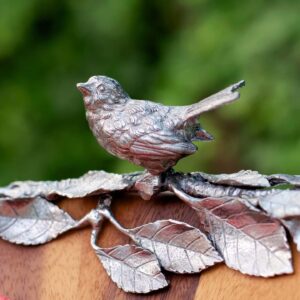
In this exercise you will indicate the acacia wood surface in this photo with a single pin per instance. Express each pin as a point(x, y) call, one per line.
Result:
point(68, 269)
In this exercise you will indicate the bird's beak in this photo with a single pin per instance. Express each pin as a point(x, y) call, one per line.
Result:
point(203, 135)
point(84, 88)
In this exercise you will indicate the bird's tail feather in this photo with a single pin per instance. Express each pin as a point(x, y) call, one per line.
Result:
point(223, 97)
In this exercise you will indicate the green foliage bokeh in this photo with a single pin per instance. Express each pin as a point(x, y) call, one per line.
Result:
point(175, 52)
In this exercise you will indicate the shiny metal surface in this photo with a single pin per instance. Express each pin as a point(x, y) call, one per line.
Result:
point(179, 247)
point(284, 178)
point(147, 134)
point(293, 226)
point(246, 178)
point(237, 211)
point(198, 185)
point(249, 241)
point(132, 268)
point(32, 222)
point(91, 183)
point(283, 204)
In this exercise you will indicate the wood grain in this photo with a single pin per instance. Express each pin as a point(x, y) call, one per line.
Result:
point(67, 268)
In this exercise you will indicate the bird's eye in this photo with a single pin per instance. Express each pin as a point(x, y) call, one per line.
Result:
point(101, 88)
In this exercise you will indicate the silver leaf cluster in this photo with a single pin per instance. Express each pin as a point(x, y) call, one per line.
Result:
point(242, 217)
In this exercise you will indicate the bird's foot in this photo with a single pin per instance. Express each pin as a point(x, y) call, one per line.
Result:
point(149, 185)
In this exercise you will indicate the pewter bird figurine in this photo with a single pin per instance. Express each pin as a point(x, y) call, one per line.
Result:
point(151, 135)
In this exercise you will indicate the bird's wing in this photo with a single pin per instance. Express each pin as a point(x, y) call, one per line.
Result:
point(161, 145)
point(225, 96)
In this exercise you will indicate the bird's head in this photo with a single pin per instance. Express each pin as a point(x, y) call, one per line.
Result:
point(102, 90)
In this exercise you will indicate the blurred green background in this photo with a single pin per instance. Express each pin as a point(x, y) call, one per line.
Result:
point(175, 52)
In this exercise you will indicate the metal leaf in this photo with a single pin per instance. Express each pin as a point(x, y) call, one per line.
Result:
point(179, 247)
point(132, 268)
point(293, 226)
point(92, 183)
point(194, 184)
point(242, 178)
point(284, 178)
point(270, 199)
point(248, 240)
point(32, 222)
point(282, 204)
